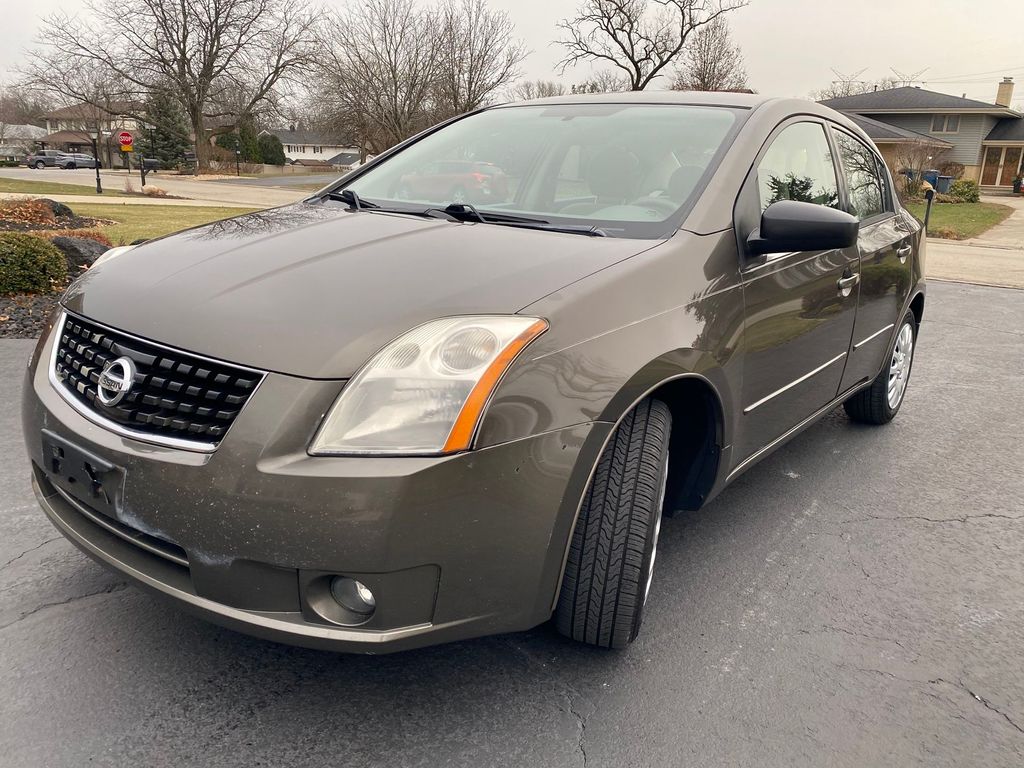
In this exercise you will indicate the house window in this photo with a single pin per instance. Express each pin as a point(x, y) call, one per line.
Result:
point(946, 124)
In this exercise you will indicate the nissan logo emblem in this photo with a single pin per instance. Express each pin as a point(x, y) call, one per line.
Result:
point(115, 381)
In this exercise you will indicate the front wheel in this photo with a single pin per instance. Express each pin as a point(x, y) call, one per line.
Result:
point(611, 555)
point(880, 402)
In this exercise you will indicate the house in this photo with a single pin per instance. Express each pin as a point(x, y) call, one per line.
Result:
point(16, 141)
point(300, 144)
point(988, 139)
point(891, 140)
point(73, 129)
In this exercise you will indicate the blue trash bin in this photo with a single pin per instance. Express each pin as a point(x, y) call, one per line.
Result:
point(944, 184)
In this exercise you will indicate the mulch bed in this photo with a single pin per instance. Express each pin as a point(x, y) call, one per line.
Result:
point(61, 222)
point(23, 316)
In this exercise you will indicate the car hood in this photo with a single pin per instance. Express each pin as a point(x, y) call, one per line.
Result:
point(313, 289)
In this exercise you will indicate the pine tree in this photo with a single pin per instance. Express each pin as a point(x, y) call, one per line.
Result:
point(166, 136)
point(248, 142)
point(271, 150)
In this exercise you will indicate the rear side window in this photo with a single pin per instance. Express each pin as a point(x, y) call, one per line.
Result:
point(798, 166)
point(863, 181)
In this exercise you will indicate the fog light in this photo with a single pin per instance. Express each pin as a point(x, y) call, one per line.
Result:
point(353, 595)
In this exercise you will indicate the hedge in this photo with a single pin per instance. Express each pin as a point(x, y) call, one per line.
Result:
point(965, 190)
point(30, 264)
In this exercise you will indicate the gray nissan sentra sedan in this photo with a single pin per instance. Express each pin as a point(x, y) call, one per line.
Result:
point(398, 414)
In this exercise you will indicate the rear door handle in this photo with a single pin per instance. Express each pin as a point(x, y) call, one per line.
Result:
point(902, 253)
point(846, 284)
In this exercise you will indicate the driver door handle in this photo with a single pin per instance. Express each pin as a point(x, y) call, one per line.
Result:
point(846, 284)
point(902, 253)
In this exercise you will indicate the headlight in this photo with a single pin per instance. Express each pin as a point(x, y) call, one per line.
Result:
point(112, 253)
point(424, 393)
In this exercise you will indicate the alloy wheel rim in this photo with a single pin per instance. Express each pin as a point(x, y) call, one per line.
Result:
point(899, 366)
point(657, 527)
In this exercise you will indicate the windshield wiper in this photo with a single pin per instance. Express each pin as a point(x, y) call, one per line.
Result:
point(349, 196)
point(358, 203)
point(467, 212)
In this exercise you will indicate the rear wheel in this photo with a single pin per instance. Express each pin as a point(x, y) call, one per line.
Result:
point(880, 402)
point(612, 552)
point(40, 165)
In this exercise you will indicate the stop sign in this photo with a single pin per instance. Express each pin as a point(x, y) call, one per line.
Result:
point(124, 139)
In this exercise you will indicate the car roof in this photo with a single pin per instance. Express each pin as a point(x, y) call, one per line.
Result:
point(773, 107)
point(701, 98)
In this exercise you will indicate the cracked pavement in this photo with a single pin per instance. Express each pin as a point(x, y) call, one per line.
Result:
point(857, 599)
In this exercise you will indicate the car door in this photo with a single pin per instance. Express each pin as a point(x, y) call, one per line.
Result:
point(885, 245)
point(799, 307)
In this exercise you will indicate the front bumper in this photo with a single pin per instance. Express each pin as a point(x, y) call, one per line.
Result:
point(452, 547)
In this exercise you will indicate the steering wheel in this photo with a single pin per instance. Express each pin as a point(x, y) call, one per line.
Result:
point(662, 204)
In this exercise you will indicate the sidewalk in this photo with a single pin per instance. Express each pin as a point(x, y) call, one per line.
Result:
point(996, 258)
point(73, 200)
point(201, 190)
point(962, 262)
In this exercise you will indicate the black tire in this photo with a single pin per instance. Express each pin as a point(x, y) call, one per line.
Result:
point(40, 165)
point(871, 405)
point(613, 545)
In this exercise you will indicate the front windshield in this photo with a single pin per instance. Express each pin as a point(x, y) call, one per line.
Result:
point(629, 170)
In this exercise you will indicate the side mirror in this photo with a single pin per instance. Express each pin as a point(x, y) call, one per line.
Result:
point(789, 225)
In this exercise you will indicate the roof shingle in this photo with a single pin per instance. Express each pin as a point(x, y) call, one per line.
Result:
point(909, 99)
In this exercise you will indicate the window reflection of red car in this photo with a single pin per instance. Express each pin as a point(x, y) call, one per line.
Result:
point(455, 181)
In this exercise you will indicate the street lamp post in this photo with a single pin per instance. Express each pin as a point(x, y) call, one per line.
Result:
point(238, 170)
point(96, 164)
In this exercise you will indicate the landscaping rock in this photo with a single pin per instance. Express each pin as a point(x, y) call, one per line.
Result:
point(59, 209)
point(80, 252)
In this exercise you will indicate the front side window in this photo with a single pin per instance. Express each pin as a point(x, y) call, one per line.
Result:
point(798, 166)
point(628, 170)
point(860, 169)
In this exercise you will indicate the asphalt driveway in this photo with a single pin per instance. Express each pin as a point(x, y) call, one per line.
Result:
point(856, 599)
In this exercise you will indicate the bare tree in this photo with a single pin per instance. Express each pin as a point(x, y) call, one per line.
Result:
point(379, 70)
point(536, 89)
point(842, 87)
point(605, 81)
point(639, 37)
point(222, 58)
point(98, 100)
point(478, 54)
point(909, 161)
point(711, 62)
point(19, 106)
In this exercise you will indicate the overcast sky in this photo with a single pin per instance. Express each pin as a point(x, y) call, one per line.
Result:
point(790, 45)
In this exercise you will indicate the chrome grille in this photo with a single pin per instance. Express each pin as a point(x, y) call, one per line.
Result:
point(176, 398)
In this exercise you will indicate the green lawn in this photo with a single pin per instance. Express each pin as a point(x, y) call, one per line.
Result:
point(961, 221)
point(23, 187)
point(147, 221)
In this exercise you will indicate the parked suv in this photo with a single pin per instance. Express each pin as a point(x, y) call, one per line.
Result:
point(45, 158)
point(462, 419)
